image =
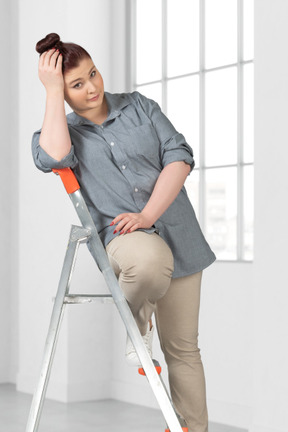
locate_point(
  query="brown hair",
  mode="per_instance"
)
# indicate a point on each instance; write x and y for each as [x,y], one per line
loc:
[72,53]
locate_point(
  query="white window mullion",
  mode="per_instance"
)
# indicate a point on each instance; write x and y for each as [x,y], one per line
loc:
[130,81]
[132,5]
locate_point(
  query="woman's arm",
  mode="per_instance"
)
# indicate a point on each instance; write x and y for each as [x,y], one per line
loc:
[167,187]
[54,138]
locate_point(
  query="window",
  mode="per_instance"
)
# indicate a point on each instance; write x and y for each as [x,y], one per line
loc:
[195,58]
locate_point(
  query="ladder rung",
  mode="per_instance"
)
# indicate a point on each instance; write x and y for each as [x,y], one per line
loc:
[185,429]
[157,367]
[86,298]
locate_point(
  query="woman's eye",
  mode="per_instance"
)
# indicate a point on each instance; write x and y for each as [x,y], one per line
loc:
[93,74]
[78,85]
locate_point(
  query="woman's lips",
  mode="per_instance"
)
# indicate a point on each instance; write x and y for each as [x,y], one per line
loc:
[95,98]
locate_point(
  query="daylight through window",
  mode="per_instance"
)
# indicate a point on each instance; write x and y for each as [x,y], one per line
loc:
[195,58]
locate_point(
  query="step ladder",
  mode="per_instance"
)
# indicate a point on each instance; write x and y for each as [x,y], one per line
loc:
[78,235]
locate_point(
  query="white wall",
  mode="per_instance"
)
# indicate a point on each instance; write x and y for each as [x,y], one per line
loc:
[271,227]
[8,191]
[79,372]
[5,208]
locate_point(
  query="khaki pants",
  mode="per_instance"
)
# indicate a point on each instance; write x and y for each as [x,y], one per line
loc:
[143,264]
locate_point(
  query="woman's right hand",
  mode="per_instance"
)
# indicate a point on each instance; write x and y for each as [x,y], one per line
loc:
[50,70]
[54,138]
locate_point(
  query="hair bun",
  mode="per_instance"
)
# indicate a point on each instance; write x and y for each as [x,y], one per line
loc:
[50,41]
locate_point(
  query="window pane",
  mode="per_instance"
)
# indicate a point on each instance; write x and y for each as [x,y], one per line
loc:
[248,114]
[248,212]
[192,188]
[221,212]
[183,37]
[152,91]
[221,117]
[220,32]
[248,26]
[183,109]
[148,40]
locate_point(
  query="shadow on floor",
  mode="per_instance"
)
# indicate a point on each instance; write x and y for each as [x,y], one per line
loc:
[102,416]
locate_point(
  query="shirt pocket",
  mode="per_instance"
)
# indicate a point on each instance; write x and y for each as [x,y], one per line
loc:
[144,141]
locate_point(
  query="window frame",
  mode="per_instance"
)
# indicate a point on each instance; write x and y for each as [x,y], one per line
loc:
[202,73]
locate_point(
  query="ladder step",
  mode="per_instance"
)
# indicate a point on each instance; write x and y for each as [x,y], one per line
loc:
[157,367]
[86,298]
[185,429]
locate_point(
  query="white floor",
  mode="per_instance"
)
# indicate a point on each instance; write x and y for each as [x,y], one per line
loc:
[102,416]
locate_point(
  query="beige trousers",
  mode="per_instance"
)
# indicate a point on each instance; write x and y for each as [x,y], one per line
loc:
[143,264]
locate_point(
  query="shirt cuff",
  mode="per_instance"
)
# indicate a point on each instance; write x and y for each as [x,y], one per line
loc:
[46,163]
[176,150]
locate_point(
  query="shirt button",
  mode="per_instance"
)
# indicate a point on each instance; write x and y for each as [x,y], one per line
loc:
[123,167]
[112,144]
[136,189]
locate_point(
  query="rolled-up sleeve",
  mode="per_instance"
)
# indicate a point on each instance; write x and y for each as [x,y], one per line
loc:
[173,145]
[176,149]
[46,163]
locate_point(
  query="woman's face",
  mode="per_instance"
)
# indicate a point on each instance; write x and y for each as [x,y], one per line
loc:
[84,87]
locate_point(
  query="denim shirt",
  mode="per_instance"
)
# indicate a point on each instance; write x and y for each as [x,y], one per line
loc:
[117,165]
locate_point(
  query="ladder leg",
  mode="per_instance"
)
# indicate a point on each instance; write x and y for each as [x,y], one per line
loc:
[53,332]
[159,370]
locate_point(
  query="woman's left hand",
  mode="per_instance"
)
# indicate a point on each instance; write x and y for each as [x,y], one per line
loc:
[129,222]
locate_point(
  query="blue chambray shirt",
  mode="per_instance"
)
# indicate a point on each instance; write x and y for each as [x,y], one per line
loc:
[117,165]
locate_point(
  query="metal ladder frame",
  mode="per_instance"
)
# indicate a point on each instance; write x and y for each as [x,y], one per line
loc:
[80,235]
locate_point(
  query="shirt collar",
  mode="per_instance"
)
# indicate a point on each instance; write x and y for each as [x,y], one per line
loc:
[116,102]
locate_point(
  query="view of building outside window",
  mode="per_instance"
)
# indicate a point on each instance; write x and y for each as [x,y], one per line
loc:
[195,58]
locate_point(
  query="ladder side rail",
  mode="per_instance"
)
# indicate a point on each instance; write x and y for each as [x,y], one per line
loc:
[53,332]
[100,256]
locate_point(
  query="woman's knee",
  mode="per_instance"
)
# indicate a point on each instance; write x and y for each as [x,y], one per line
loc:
[143,261]
[152,275]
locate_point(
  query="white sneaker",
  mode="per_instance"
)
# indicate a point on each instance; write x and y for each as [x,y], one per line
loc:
[131,356]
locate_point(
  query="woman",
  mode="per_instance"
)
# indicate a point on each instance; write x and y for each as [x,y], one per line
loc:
[132,165]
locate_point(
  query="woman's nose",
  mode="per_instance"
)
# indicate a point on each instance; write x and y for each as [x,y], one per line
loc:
[91,87]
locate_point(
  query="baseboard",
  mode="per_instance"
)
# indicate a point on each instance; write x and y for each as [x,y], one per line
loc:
[63,392]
